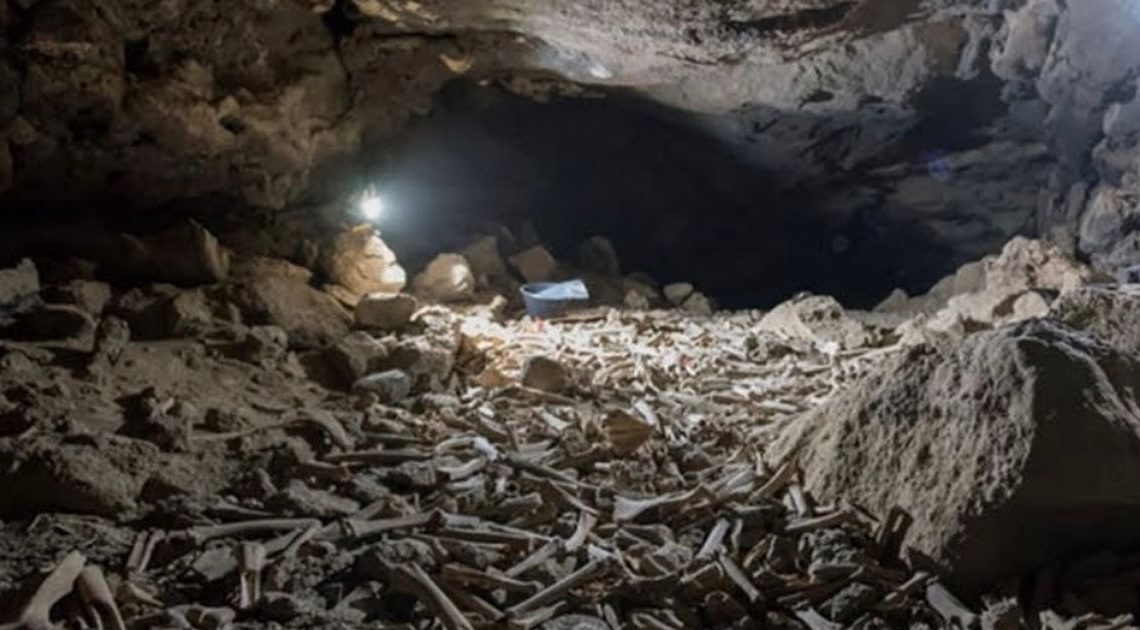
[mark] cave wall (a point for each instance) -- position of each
(971, 120)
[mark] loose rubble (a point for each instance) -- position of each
(246, 454)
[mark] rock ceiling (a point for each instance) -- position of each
(976, 118)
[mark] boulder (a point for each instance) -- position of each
(427, 361)
(354, 356)
(447, 278)
(597, 254)
(261, 345)
(678, 292)
(52, 322)
(818, 319)
(545, 374)
(186, 254)
(388, 387)
(271, 291)
(698, 304)
(535, 264)
(358, 260)
(1112, 314)
(485, 260)
(385, 312)
(83, 474)
(89, 295)
(18, 283)
(1008, 448)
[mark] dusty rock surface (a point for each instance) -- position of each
(1007, 449)
(245, 467)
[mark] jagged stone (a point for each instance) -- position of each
(388, 387)
(678, 292)
(818, 319)
(355, 355)
(597, 254)
(1006, 447)
(385, 312)
(535, 264)
(362, 263)
(485, 259)
(1112, 314)
(698, 304)
(19, 282)
(89, 295)
(447, 278)
(275, 292)
(545, 374)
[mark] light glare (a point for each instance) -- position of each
(371, 207)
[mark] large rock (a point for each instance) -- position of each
(362, 263)
(89, 295)
(1110, 313)
(271, 291)
(485, 260)
(535, 264)
(598, 254)
(818, 319)
(19, 282)
(186, 254)
(447, 278)
(385, 312)
(1009, 448)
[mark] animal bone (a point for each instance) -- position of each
(948, 606)
(586, 522)
(251, 562)
(36, 615)
(231, 530)
(460, 575)
(97, 597)
(412, 579)
(593, 570)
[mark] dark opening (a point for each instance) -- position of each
(677, 202)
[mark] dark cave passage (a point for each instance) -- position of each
(677, 202)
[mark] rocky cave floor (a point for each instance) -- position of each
(243, 454)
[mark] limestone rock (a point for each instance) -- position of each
(389, 387)
(597, 254)
(485, 260)
(818, 319)
(385, 312)
(1112, 314)
(545, 374)
(298, 499)
(678, 292)
(356, 355)
(261, 345)
(362, 263)
(447, 278)
(186, 254)
(89, 295)
(428, 362)
(1007, 447)
(274, 291)
(111, 338)
(52, 322)
(88, 474)
(19, 282)
(535, 264)
(698, 304)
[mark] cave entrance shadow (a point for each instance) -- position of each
(677, 202)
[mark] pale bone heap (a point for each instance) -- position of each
(601, 470)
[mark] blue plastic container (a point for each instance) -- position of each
(551, 299)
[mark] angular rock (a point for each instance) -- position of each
(52, 322)
(111, 338)
(597, 254)
(545, 374)
(678, 292)
(1111, 314)
(358, 260)
(385, 312)
(447, 278)
(818, 319)
(1008, 448)
(698, 304)
(88, 474)
(271, 291)
(354, 356)
(389, 387)
(535, 264)
(298, 499)
(261, 345)
(428, 363)
(186, 254)
(89, 295)
(18, 283)
(485, 260)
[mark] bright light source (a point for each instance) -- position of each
(371, 206)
